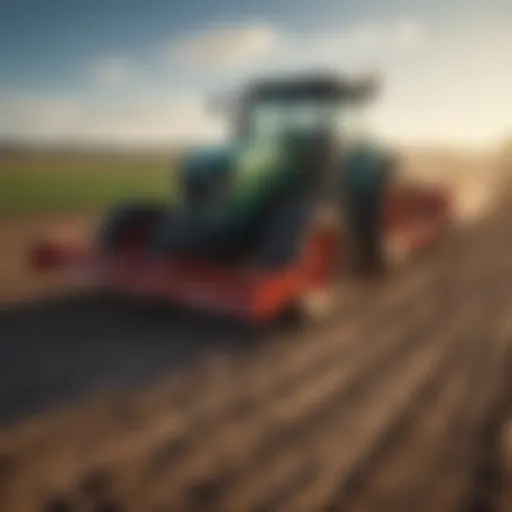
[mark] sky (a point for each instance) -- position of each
(140, 72)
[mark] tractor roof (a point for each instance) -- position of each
(311, 87)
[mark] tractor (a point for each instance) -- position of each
(270, 221)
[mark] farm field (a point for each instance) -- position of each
(401, 402)
(34, 184)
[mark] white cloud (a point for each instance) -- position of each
(365, 37)
(425, 98)
(226, 47)
(151, 119)
(261, 48)
(408, 35)
(179, 118)
(367, 41)
(111, 71)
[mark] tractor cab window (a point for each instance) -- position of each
(270, 119)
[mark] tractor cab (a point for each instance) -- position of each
(314, 118)
(312, 105)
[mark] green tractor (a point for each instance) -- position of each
(269, 221)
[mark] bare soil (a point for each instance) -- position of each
(399, 403)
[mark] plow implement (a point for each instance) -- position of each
(252, 296)
(251, 293)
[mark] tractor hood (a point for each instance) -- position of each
(236, 180)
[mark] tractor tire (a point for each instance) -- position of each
(283, 231)
(128, 227)
(368, 252)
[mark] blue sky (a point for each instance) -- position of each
(136, 71)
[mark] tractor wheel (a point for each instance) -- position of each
(365, 214)
(282, 233)
(128, 227)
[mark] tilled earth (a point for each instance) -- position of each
(401, 403)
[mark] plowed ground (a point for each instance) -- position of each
(399, 403)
